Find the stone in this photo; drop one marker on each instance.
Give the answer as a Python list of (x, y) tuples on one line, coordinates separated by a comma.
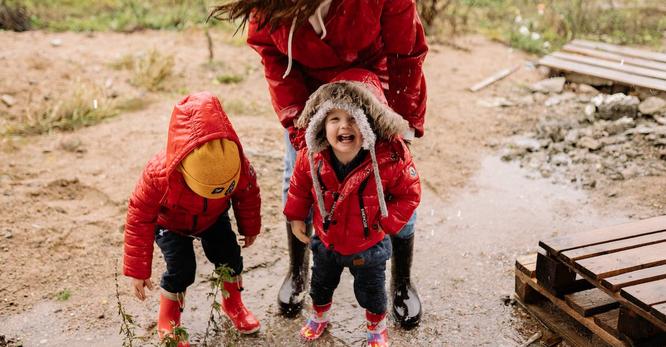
[(616, 106), (549, 85), (495, 102), (619, 126), (8, 100), (589, 143), (560, 159), (587, 89), (526, 144), (557, 99), (653, 106)]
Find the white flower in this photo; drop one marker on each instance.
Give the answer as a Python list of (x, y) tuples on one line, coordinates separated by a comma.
[(535, 36), (518, 19), (546, 45), (523, 30)]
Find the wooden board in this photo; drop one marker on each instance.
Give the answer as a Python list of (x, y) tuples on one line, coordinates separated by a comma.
[(615, 283), (645, 295), (572, 337), (617, 66), (626, 51), (605, 73), (624, 261), (608, 321), (527, 264), (603, 235), (651, 64), (659, 311), (613, 246), (590, 302)]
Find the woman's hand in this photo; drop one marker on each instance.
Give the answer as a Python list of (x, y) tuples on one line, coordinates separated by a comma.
[(248, 240), (138, 285), (298, 229)]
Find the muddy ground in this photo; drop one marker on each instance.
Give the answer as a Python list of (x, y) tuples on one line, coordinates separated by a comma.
[(64, 194)]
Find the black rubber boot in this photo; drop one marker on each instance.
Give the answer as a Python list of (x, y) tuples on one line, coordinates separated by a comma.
[(292, 292), (406, 303)]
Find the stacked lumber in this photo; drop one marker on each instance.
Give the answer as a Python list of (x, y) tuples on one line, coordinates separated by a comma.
[(612, 281), (614, 64)]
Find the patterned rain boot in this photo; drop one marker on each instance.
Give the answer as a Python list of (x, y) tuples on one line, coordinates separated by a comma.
[(377, 331), (317, 323), (171, 305), (242, 319)]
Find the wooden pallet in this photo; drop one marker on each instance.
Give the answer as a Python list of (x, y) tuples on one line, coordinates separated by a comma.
[(610, 280), (613, 64)]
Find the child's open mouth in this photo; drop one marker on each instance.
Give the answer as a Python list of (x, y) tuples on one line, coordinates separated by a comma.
[(346, 138)]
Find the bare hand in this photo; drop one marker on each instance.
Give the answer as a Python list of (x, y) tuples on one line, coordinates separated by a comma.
[(248, 240), (138, 285), (298, 229)]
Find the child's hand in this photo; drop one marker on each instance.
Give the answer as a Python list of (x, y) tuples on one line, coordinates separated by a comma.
[(298, 229), (248, 240), (138, 285)]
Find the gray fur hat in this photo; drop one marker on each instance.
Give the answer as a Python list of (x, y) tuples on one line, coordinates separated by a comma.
[(359, 93)]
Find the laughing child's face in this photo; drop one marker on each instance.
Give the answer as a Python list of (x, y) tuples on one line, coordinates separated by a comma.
[(343, 135)]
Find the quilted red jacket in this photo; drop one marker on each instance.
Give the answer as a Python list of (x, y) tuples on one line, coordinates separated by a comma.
[(345, 233), (383, 36), (161, 197)]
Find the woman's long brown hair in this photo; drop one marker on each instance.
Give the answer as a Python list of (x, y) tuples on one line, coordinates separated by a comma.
[(266, 12)]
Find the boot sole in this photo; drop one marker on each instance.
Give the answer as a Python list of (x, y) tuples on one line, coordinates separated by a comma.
[(248, 332)]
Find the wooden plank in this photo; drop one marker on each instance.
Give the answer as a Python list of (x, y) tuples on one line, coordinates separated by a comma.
[(554, 275), (636, 329), (617, 263), (590, 302), (613, 246), (608, 321), (615, 283), (647, 294), (556, 325), (628, 51), (602, 235), (617, 66), (659, 310), (527, 264), (650, 64), (617, 76)]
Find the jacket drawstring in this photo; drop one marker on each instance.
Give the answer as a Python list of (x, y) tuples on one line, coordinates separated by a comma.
[(289, 55), (321, 21)]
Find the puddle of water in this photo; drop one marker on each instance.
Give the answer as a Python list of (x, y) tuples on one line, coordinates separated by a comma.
[(464, 263)]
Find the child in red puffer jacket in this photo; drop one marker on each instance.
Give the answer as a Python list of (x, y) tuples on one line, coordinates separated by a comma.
[(359, 173)]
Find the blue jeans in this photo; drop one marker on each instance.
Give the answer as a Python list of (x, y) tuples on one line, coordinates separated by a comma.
[(290, 160), (367, 267)]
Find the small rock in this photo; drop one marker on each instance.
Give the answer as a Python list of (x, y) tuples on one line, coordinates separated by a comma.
[(8, 100), (616, 106), (57, 42), (526, 143), (587, 89), (621, 125), (660, 120), (589, 143), (495, 102), (101, 316), (557, 99), (590, 110), (612, 194), (560, 159), (653, 105), (8, 234), (549, 85), (629, 173)]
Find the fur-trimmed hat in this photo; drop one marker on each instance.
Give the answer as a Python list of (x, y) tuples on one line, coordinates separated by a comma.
[(359, 93)]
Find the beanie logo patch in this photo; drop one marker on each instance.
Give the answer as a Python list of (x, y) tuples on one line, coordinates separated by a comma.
[(217, 190), (231, 188)]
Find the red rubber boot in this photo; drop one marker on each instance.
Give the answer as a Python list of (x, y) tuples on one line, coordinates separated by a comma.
[(169, 317), (234, 308), (377, 330)]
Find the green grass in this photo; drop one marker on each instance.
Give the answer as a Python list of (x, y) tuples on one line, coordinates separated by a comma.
[(63, 295), (542, 26), (117, 15)]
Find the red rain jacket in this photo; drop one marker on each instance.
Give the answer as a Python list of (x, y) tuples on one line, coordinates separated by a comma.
[(346, 234), (161, 197), (385, 37)]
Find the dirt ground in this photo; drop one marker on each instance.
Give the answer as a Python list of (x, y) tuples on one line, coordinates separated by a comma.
[(64, 194)]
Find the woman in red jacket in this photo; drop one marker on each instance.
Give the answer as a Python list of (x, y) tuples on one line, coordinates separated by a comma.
[(360, 176), (184, 194), (304, 44)]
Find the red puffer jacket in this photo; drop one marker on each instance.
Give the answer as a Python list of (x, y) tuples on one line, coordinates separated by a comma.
[(385, 37), (345, 232), (161, 197)]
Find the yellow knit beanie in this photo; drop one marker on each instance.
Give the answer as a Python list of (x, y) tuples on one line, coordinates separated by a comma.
[(212, 170)]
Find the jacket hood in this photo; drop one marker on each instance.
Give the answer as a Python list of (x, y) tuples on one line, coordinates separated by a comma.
[(353, 90), (195, 120)]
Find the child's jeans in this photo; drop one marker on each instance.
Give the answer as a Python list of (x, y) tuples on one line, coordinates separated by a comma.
[(367, 267), (219, 245)]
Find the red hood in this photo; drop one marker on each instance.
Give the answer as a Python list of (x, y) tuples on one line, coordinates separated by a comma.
[(195, 120)]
